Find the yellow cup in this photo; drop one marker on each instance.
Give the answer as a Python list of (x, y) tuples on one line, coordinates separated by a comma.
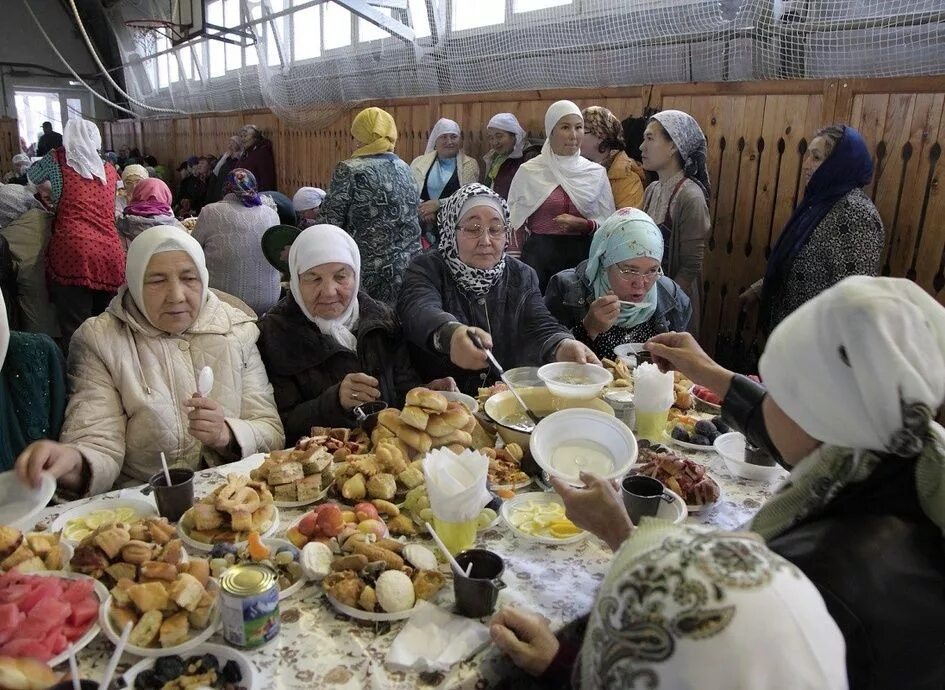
[(456, 536), (651, 425)]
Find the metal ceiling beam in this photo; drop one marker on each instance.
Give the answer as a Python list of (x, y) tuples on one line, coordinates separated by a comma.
[(371, 14)]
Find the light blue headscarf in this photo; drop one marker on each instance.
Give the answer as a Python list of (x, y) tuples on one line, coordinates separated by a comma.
[(627, 234)]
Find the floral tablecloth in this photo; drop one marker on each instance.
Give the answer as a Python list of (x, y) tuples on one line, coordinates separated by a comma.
[(319, 648)]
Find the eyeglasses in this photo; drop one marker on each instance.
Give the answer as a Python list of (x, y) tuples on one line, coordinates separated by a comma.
[(474, 232), (633, 274)]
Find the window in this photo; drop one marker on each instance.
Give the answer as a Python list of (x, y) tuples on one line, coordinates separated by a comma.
[(33, 108), (418, 15), (277, 35), (231, 18), (73, 107), (336, 26), (532, 5), (216, 54), (306, 34), (472, 15)]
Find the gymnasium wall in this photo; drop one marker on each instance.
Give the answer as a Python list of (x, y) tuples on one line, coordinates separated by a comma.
[(757, 134)]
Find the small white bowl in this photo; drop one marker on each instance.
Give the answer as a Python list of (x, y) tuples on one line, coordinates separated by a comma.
[(731, 447), (557, 378), (469, 402), (510, 506), (223, 654), (143, 509), (629, 349), (583, 425)]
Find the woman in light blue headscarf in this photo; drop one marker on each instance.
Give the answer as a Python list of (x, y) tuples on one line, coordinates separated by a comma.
[(619, 295)]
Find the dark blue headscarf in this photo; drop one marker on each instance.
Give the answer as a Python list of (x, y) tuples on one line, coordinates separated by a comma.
[(848, 167)]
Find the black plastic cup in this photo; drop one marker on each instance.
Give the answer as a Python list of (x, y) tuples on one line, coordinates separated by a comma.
[(476, 595), (642, 496), (174, 500), (84, 684)]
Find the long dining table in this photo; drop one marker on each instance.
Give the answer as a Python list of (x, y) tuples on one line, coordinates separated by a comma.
[(321, 648)]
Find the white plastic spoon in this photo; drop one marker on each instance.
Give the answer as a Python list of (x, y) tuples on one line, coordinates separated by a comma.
[(205, 382)]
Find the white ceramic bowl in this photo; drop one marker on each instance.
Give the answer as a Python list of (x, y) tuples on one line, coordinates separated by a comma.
[(469, 402), (582, 425), (223, 654), (202, 547), (731, 447), (558, 376), (143, 508), (629, 349), (509, 507)]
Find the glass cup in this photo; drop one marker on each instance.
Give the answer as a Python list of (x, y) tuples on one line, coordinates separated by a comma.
[(456, 536), (651, 425)]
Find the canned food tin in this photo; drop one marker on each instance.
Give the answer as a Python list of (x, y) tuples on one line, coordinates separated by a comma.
[(621, 400), (249, 596)]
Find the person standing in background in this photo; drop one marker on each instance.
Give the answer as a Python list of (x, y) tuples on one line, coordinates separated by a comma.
[(257, 157), (227, 162), (603, 143), (21, 163), (48, 140)]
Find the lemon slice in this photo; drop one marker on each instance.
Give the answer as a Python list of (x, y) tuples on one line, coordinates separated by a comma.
[(77, 532), (126, 514)]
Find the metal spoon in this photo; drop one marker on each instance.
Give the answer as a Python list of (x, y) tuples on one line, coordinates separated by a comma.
[(205, 382), (501, 372)]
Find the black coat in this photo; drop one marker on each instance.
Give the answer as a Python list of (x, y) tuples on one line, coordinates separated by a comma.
[(306, 367), (879, 563), (523, 332)]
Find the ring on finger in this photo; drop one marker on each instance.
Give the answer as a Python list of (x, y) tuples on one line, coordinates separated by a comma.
[(354, 396)]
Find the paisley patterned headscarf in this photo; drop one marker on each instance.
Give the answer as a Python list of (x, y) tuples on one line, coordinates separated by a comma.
[(472, 281), (690, 141), (242, 183)]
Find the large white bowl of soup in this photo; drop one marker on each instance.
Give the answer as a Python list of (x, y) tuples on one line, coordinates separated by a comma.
[(514, 426), (575, 381), (569, 442)]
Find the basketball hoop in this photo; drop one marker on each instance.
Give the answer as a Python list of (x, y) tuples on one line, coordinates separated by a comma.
[(144, 32)]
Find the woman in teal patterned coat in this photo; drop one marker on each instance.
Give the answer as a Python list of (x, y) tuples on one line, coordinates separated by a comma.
[(373, 197)]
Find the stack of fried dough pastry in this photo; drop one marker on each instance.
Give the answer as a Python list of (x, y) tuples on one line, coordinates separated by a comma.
[(428, 421), (231, 512)]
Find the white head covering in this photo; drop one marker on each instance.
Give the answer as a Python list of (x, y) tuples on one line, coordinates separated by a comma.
[(4, 331), (82, 140), (324, 244), (482, 200), (308, 198), (21, 158), (161, 238), (442, 126), (584, 181), (134, 170), (507, 122), (873, 355)]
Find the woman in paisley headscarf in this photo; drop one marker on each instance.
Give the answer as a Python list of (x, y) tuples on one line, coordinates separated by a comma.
[(374, 199), (674, 147), (603, 143), (470, 285), (230, 232)]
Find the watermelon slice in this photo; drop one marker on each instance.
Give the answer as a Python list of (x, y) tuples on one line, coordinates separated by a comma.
[(43, 588), (19, 648), (84, 612), (77, 590)]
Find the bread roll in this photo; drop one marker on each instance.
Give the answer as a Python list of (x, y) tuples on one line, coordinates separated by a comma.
[(418, 440), (415, 417), (459, 437), (456, 415), (437, 426), (427, 399)]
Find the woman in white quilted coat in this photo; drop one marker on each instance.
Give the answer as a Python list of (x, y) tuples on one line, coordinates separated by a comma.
[(132, 378)]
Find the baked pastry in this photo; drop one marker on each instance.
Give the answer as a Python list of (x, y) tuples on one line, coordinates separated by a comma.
[(241, 519), (120, 592), (427, 399), (19, 555), (186, 591), (382, 485), (174, 630), (10, 540), (414, 416), (286, 492), (458, 437), (26, 674), (285, 473), (206, 517), (161, 530), (158, 570), (199, 568), (150, 596), (426, 583), (411, 477), (315, 461), (146, 630), (200, 617), (438, 426), (117, 571), (41, 543), (309, 488), (112, 540), (137, 552), (456, 415), (122, 615), (173, 552), (261, 520)]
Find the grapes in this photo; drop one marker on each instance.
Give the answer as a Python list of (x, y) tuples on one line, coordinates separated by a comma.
[(700, 440), (680, 434), (704, 427)]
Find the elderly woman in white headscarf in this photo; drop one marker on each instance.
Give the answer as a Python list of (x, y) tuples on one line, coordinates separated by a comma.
[(306, 202), (329, 347), (852, 381), (21, 163), (133, 378), (559, 197), (439, 172), (85, 259), (674, 147)]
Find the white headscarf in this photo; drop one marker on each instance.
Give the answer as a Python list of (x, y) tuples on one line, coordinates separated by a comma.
[(507, 122), (4, 331), (82, 140), (584, 181), (307, 198), (442, 126), (162, 238), (873, 355), (324, 244)]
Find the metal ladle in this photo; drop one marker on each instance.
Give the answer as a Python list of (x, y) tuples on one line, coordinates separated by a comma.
[(501, 372)]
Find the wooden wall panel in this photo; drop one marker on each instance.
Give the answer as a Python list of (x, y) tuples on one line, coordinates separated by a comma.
[(9, 143), (757, 135)]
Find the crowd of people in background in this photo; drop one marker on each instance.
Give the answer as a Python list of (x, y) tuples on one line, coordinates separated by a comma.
[(398, 274)]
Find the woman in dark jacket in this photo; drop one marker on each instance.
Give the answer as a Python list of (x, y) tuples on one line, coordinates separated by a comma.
[(852, 379), (619, 295), (327, 347), (257, 157), (470, 285)]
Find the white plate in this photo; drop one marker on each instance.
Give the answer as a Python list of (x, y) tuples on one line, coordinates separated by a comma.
[(141, 507), (279, 504), (223, 654), (105, 620), (66, 551), (275, 545), (362, 615), (469, 402), (512, 487), (20, 504), (731, 447), (94, 628), (343, 508), (537, 497), (688, 446), (199, 546)]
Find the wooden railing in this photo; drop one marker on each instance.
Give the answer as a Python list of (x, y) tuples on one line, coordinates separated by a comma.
[(757, 133)]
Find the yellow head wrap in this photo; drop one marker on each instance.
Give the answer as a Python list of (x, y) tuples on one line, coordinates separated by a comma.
[(375, 128)]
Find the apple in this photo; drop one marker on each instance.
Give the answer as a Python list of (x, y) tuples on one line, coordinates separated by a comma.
[(308, 526), (366, 511), (329, 520), (348, 516)]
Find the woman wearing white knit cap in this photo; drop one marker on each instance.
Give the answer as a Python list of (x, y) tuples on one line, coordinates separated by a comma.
[(133, 378), (306, 203)]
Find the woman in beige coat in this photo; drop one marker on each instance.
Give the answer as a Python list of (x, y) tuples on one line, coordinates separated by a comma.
[(132, 377)]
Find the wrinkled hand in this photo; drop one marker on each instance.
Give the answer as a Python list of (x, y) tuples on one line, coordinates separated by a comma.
[(602, 315), (447, 384), (570, 350), (571, 222), (208, 422), (526, 637), (681, 352), (61, 461), (597, 507), (466, 355), (357, 389), (428, 210)]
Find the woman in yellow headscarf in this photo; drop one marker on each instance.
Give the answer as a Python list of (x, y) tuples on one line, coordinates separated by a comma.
[(372, 196)]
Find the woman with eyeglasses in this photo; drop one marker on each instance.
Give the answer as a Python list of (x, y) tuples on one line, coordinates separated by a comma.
[(619, 294), (469, 285)]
